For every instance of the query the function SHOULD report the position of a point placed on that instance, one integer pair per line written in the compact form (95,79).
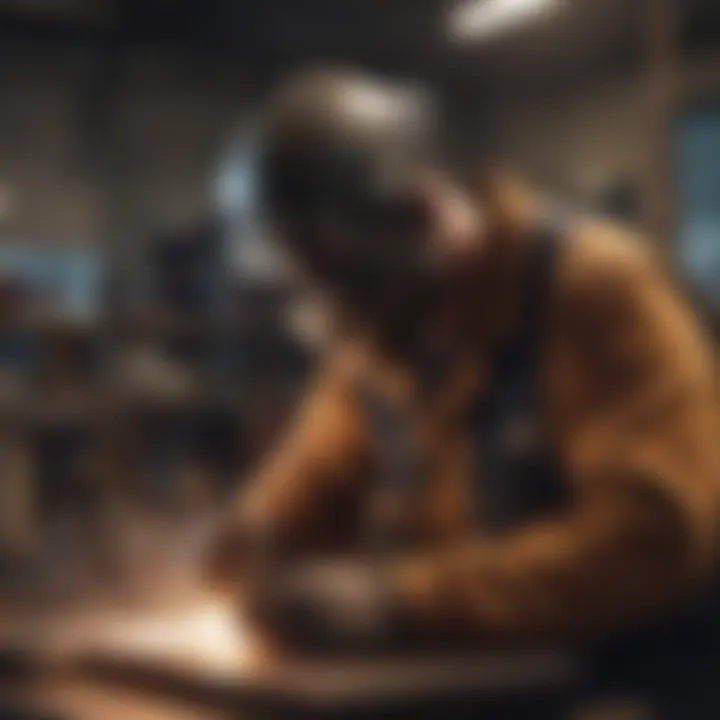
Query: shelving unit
(130,406)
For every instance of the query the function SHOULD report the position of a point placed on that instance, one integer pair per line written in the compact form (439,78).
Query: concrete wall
(47,195)
(173,119)
(577,141)
(592,135)
(69,174)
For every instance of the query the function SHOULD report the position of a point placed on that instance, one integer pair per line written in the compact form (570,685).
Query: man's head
(350,174)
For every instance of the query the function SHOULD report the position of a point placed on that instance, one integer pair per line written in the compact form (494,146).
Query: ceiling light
(481,19)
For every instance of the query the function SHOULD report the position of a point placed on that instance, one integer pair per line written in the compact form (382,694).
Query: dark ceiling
(403,36)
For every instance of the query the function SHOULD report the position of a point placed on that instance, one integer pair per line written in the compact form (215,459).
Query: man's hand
(224,560)
(241,554)
(330,606)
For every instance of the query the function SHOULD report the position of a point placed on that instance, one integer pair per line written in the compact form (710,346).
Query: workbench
(123,680)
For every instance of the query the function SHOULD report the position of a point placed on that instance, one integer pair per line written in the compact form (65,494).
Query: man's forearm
(241,553)
(570,580)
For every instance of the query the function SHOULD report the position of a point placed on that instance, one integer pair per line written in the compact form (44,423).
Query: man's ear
(449,211)
(424,202)
(507,203)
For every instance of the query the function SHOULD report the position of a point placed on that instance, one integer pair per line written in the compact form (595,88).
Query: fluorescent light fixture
(481,19)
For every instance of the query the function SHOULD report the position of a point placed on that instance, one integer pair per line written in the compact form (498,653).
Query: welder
(511,440)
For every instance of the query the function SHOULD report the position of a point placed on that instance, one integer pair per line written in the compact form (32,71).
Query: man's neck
(474,307)
(483,292)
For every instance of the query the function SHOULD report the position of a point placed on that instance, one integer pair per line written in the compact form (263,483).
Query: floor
(80,700)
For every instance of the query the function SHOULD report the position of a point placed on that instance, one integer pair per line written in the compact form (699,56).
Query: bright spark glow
(206,638)
(481,19)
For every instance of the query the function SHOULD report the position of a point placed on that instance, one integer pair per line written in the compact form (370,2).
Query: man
(513,439)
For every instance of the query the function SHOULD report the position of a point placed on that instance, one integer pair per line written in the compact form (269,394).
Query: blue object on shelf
(18,351)
(698,165)
(68,278)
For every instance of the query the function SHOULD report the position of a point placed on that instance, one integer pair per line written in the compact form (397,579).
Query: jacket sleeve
(635,428)
(305,495)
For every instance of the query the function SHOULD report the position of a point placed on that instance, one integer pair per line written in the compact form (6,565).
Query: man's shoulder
(614,292)
(604,264)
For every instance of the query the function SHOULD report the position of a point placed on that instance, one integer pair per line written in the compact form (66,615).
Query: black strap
(538,271)
(512,392)
(515,475)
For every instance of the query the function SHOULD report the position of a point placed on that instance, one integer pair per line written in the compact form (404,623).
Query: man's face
(373,255)
(455,227)
(393,252)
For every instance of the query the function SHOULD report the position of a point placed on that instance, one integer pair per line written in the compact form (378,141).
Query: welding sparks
(208,638)
(209,635)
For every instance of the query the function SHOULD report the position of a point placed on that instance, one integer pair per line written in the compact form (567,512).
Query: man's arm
(305,495)
(635,427)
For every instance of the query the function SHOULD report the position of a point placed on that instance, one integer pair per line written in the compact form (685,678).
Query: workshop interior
(156,339)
